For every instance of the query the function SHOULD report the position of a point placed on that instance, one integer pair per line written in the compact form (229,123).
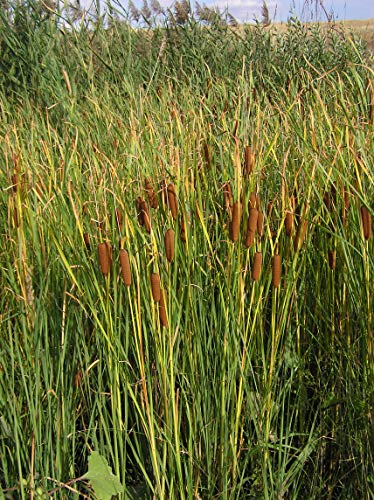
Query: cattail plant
(253,200)
(251,228)
(366,222)
(156,287)
(169,244)
(256,267)
(345,206)
(86,239)
(183,229)
(207,155)
(277,270)
(162,309)
(172,200)
(248,161)
(138,203)
(260,223)
(104,258)
(125,267)
(152,198)
(332,258)
(235,222)
(14,182)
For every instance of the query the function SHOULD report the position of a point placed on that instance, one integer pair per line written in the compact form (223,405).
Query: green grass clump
(132,156)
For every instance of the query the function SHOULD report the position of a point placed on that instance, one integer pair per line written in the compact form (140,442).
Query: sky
(280,10)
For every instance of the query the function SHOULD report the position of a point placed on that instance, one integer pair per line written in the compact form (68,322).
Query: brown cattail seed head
(14,183)
(104,260)
(86,238)
(256,268)
(169,244)
(162,309)
(183,231)
(248,160)
(152,198)
(289,223)
(139,211)
(172,200)
(252,226)
(332,259)
(253,200)
(156,287)
(277,270)
(125,267)
(366,222)
(235,222)
(207,155)
(300,233)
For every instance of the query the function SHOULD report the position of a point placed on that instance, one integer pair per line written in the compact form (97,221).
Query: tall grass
(239,381)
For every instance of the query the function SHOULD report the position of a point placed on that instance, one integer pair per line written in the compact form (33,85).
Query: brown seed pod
(235,222)
(300,233)
(332,259)
(104,260)
(119,219)
(207,155)
(183,231)
(172,200)
(252,200)
(248,160)
(256,268)
(289,222)
(227,196)
(346,205)
(86,238)
(277,270)
(14,182)
(156,287)
(139,202)
(366,222)
(162,309)
(260,223)
(169,244)
(152,198)
(252,226)
(125,266)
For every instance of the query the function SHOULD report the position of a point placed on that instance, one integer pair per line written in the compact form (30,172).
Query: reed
(125,266)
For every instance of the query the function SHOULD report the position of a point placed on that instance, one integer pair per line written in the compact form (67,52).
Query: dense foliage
(234,382)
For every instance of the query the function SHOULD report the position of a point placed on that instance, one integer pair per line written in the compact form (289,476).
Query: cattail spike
(169,244)
(332,259)
(104,258)
(256,268)
(156,287)
(172,200)
(235,222)
(119,219)
(366,222)
(125,267)
(277,270)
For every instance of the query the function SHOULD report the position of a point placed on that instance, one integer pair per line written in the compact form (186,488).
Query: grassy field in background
(186,260)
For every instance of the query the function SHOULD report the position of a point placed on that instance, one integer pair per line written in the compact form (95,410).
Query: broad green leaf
(104,483)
